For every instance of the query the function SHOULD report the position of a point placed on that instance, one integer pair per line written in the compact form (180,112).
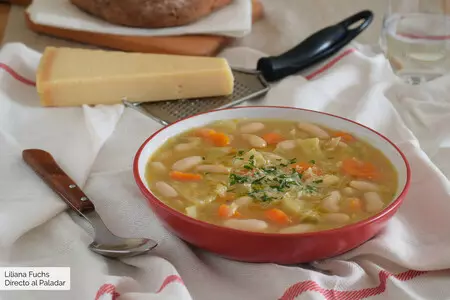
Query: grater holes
(186,107)
(245,85)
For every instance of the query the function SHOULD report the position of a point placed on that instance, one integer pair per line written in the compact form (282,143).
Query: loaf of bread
(150,13)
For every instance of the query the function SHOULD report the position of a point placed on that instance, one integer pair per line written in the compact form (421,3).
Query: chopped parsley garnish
(270,170)
(251,163)
(270,182)
(265,198)
(257,181)
(312,161)
(236,179)
(310,189)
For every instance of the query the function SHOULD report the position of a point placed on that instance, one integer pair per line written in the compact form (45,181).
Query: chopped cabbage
(191,211)
(310,216)
(311,148)
(291,204)
(258,158)
(199,193)
(274,159)
(217,155)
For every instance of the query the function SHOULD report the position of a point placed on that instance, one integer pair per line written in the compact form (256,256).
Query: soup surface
(272,176)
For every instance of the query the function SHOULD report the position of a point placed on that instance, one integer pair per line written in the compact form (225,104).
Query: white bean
(213,169)
(158,166)
(165,189)
(363,186)
(244,200)
(329,180)
(185,146)
(298,228)
(314,130)
(254,140)
(248,225)
(252,127)
(348,191)
(331,202)
(336,218)
(287,145)
(343,145)
(187,163)
(195,140)
(373,202)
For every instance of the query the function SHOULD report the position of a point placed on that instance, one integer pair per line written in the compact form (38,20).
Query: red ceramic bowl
(271,247)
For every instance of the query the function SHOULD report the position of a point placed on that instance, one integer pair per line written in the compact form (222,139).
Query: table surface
(287,21)
(4,12)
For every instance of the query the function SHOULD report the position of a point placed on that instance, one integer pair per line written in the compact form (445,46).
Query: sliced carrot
(278,216)
(204,132)
(354,204)
(246,172)
(317,171)
(360,169)
(182,176)
(347,137)
(224,211)
(302,166)
(219,139)
(273,138)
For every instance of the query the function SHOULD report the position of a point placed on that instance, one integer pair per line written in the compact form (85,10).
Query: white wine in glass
(415,39)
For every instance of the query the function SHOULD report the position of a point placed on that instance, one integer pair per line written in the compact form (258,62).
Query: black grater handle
(315,48)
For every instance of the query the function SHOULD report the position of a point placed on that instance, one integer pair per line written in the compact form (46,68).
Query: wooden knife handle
(46,167)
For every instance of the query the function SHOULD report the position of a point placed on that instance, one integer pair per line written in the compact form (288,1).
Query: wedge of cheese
(72,77)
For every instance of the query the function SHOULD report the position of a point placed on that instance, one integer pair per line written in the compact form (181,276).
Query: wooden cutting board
(197,45)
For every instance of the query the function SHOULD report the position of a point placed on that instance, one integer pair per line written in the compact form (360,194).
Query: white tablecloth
(96,147)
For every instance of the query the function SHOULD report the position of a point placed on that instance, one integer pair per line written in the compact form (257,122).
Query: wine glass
(415,39)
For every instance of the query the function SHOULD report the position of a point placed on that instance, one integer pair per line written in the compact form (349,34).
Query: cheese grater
(248,84)
(252,84)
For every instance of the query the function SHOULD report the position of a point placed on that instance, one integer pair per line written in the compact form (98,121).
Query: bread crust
(150,13)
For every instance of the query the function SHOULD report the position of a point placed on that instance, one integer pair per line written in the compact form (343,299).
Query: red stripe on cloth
(107,289)
(111,289)
(169,279)
(301,287)
(424,37)
(330,64)
(16,76)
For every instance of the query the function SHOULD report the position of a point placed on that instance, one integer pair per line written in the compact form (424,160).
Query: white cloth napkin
(234,20)
(408,260)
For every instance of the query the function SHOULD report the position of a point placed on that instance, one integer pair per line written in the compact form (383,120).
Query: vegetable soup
(272,176)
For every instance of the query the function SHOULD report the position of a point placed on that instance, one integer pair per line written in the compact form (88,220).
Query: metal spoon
(105,242)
